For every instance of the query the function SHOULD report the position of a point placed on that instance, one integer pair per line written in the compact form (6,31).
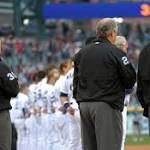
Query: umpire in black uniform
(8,88)
(143,81)
(102,72)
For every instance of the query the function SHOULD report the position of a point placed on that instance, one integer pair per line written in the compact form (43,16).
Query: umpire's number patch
(11,76)
(125,60)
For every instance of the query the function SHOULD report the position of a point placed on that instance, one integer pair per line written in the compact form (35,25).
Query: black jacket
(8,86)
(102,72)
(143,80)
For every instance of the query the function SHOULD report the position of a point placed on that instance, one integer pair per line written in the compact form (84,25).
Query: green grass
(144,140)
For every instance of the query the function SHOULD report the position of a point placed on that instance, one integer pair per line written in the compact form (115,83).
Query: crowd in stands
(26,55)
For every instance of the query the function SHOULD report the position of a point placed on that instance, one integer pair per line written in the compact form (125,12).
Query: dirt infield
(137,148)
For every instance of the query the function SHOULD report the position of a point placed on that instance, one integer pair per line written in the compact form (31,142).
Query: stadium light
(26,21)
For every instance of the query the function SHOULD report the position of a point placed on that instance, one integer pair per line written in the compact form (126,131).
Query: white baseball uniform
(53,133)
(73,120)
(124,120)
(58,86)
(32,129)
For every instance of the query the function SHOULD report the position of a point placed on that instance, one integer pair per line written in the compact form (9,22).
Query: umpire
(143,81)
(8,88)
(102,72)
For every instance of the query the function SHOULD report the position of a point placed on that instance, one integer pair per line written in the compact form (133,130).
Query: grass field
(144,140)
(142,144)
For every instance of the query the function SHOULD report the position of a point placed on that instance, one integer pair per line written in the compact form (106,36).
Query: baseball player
(71,106)
(53,134)
(63,69)
(31,127)
(61,115)
(17,119)
(19,106)
(22,140)
(32,94)
(122,44)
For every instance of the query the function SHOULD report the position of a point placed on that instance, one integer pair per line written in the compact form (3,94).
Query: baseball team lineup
(80,104)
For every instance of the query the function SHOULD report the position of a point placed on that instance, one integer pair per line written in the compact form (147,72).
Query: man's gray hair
(105,27)
(120,40)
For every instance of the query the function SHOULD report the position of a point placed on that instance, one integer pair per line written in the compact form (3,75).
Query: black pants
(101,126)
(5,130)
(14,138)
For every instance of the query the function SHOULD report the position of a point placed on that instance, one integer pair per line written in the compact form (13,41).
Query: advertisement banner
(96,10)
